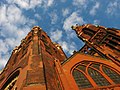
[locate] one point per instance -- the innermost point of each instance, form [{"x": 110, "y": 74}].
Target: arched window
[
  {"x": 115, "y": 77},
  {"x": 98, "y": 78},
  {"x": 99, "y": 73},
  {"x": 11, "y": 81},
  {"x": 81, "y": 80}
]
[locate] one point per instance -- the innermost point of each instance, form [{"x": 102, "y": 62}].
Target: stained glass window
[
  {"x": 96, "y": 65},
  {"x": 81, "y": 80},
  {"x": 93, "y": 69},
  {"x": 81, "y": 67},
  {"x": 98, "y": 78},
  {"x": 115, "y": 77}
]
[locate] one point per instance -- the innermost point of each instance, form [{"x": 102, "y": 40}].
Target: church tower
[{"x": 31, "y": 65}]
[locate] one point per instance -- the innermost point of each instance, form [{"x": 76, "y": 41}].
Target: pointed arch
[
  {"x": 114, "y": 76},
  {"x": 97, "y": 77},
  {"x": 81, "y": 80},
  {"x": 83, "y": 71},
  {"x": 9, "y": 84}
]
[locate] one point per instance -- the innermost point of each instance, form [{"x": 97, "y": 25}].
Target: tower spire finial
[{"x": 36, "y": 28}]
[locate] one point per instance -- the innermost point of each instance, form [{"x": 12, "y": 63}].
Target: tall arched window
[
  {"x": 81, "y": 80},
  {"x": 11, "y": 82},
  {"x": 100, "y": 76},
  {"x": 115, "y": 77}
]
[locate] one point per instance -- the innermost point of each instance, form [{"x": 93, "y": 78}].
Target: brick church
[{"x": 39, "y": 64}]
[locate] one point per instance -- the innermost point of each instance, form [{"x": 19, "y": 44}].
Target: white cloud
[
  {"x": 64, "y": 45},
  {"x": 96, "y": 22},
  {"x": 56, "y": 35},
  {"x": 11, "y": 21},
  {"x": 50, "y": 2},
  {"x": 68, "y": 47},
  {"x": 54, "y": 17},
  {"x": 65, "y": 12},
  {"x": 80, "y": 3},
  {"x": 4, "y": 51},
  {"x": 113, "y": 8},
  {"x": 20, "y": 3},
  {"x": 14, "y": 15},
  {"x": 3, "y": 48},
  {"x": 94, "y": 8},
  {"x": 37, "y": 16},
  {"x": 31, "y": 4},
  {"x": 73, "y": 19},
  {"x": 13, "y": 27},
  {"x": 2, "y": 63}
]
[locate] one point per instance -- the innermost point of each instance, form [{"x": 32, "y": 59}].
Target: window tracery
[
  {"x": 81, "y": 80},
  {"x": 115, "y": 77},
  {"x": 97, "y": 72},
  {"x": 10, "y": 83}
]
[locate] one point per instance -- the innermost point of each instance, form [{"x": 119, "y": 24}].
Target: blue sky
[{"x": 56, "y": 17}]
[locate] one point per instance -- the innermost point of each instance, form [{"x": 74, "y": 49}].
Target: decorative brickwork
[
  {"x": 24, "y": 61},
  {"x": 35, "y": 77},
  {"x": 52, "y": 80}
]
